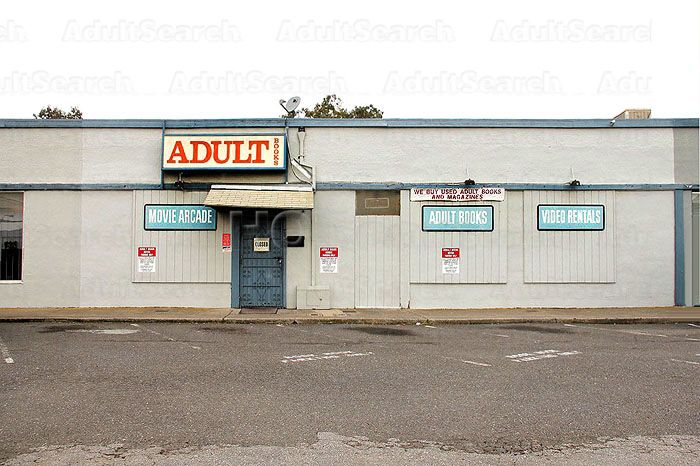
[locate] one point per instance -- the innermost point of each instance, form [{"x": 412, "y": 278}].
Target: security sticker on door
[
  {"x": 329, "y": 260},
  {"x": 147, "y": 259},
  {"x": 450, "y": 261},
  {"x": 261, "y": 244}
]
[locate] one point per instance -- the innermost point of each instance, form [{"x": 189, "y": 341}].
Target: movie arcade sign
[{"x": 458, "y": 194}]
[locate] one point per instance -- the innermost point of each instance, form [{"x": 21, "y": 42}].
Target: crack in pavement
[{"x": 331, "y": 448}]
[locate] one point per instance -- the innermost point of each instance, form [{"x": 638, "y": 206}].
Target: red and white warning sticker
[
  {"x": 146, "y": 259},
  {"x": 329, "y": 259},
  {"x": 450, "y": 261}
]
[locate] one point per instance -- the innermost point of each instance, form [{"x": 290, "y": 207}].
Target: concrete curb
[
  {"x": 353, "y": 316},
  {"x": 370, "y": 321}
]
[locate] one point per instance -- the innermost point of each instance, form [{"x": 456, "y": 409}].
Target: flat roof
[{"x": 354, "y": 123}]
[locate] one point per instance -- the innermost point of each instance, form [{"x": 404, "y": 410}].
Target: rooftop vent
[{"x": 634, "y": 114}]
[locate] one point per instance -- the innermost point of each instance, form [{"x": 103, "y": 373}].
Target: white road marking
[
  {"x": 631, "y": 332},
  {"x": 537, "y": 355},
  {"x": 569, "y": 325},
  {"x": 322, "y": 356},
  {"x": 694, "y": 325},
  {"x": 477, "y": 363},
  {"x": 687, "y": 362},
  {"x": 429, "y": 326},
  {"x": 5, "y": 351},
  {"x": 474, "y": 363},
  {"x": 692, "y": 339},
  {"x": 116, "y": 331},
  {"x": 162, "y": 336},
  {"x": 497, "y": 335},
  {"x": 153, "y": 332}
]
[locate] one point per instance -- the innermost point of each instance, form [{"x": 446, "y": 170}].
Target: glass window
[{"x": 11, "y": 236}]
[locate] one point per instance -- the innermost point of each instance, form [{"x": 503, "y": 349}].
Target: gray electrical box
[{"x": 313, "y": 297}]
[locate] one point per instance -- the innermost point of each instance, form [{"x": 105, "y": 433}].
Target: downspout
[
  {"x": 289, "y": 153},
  {"x": 162, "y": 149},
  {"x": 301, "y": 137}
]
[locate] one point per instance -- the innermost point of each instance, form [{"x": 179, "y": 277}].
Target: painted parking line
[
  {"x": 538, "y": 355},
  {"x": 114, "y": 331},
  {"x": 482, "y": 364},
  {"x": 153, "y": 332},
  {"x": 633, "y": 332},
  {"x": 320, "y": 357},
  {"x": 5, "y": 351},
  {"x": 630, "y": 332},
  {"x": 694, "y": 325},
  {"x": 467, "y": 361},
  {"x": 687, "y": 362}
]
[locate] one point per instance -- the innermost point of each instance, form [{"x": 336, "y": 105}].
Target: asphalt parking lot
[{"x": 473, "y": 389}]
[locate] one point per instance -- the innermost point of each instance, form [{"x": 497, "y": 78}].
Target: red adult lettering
[
  {"x": 237, "y": 147},
  {"x": 258, "y": 145},
  {"x": 215, "y": 150},
  {"x": 178, "y": 153},
  {"x": 195, "y": 151}
]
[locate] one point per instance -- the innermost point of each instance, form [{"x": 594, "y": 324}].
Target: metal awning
[{"x": 284, "y": 196}]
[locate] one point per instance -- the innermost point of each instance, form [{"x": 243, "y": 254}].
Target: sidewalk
[{"x": 359, "y": 316}]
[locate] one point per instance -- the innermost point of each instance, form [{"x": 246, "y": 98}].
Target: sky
[{"x": 437, "y": 59}]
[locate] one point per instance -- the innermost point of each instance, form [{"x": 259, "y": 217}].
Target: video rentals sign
[{"x": 224, "y": 152}]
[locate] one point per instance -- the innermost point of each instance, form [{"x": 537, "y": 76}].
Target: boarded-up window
[
  {"x": 568, "y": 256},
  {"x": 195, "y": 256},
  {"x": 483, "y": 255}
]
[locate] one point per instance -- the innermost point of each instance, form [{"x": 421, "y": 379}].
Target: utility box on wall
[{"x": 313, "y": 297}]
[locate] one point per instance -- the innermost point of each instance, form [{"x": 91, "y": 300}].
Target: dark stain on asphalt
[
  {"x": 391, "y": 331},
  {"x": 536, "y": 328},
  {"x": 356, "y": 343},
  {"x": 226, "y": 329},
  {"x": 63, "y": 328}
]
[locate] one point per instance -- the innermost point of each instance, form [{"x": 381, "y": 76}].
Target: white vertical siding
[
  {"x": 182, "y": 256},
  {"x": 568, "y": 256},
  {"x": 483, "y": 253},
  {"x": 377, "y": 261},
  {"x": 405, "y": 251},
  {"x": 695, "y": 248}
]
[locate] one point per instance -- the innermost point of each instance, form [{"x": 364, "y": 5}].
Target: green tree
[
  {"x": 55, "y": 113},
  {"x": 332, "y": 107}
]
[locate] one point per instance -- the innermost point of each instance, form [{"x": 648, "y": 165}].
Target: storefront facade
[{"x": 306, "y": 213}]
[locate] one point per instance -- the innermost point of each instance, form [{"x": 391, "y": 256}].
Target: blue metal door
[{"x": 262, "y": 254}]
